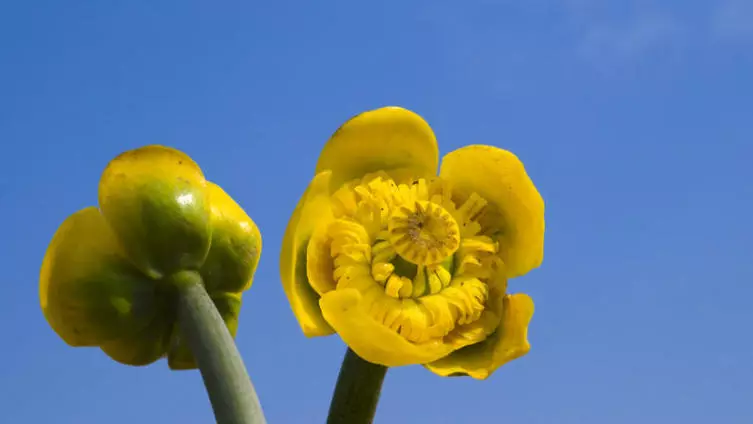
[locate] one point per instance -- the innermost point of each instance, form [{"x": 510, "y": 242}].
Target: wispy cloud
[
  {"x": 733, "y": 20},
  {"x": 615, "y": 33},
  {"x": 484, "y": 38},
  {"x": 631, "y": 39}
]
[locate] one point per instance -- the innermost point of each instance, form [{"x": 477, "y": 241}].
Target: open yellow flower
[
  {"x": 409, "y": 267},
  {"x": 106, "y": 276}
]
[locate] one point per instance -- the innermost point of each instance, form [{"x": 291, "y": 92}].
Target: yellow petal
[
  {"x": 313, "y": 210},
  {"x": 143, "y": 347},
  {"x": 509, "y": 342},
  {"x": 391, "y": 139},
  {"x": 498, "y": 176},
  {"x": 88, "y": 291},
  {"x": 179, "y": 355},
  {"x": 371, "y": 340},
  {"x": 236, "y": 246},
  {"x": 155, "y": 199}
]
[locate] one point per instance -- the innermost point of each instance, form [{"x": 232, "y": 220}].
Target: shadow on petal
[
  {"x": 89, "y": 292},
  {"x": 509, "y": 342},
  {"x": 371, "y": 340},
  {"x": 312, "y": 211}
]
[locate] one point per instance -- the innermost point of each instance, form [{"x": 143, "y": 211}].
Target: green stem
[
  {"x": 357, "y": 391},
  {"x": 231, "y": 393}
]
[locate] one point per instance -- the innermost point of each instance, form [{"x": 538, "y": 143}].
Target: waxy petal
[
  {"x": 156, "y": 201},
  {"x": 235, "y": 248},
  {"x": 371, "y": 340},
  {"x": 509, "y": 342},
  {"x": 499, "y": 177},
  {"x": 391, "y": 139},
  {"x": 88, "y": 291},
  {"x": 312, "y": 211}
]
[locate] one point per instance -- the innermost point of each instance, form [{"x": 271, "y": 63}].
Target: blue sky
[{"x": 633, "y": 119}]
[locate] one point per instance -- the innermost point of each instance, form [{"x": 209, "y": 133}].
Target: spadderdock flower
[
  {"x": 411, "y": 267},
  {"x": 108, "y": 276}
]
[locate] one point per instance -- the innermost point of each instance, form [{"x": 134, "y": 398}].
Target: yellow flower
[
  {"x": 105, "y": 276},
  {"x": 409, "y": 267}
]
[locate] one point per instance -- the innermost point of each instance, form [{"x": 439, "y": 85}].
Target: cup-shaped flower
[
  {"x": 411, "y": 267},
  {"x": 106, "y": 276}
]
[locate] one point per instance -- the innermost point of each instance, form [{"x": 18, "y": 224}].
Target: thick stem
[
  {"x": 231, "y": 393},
  {"x": 357, "y": 391}
]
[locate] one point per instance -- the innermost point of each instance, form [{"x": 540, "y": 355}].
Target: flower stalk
[
  {"x": 228, "y": 385},
  {"x": 357, "y": 391}
]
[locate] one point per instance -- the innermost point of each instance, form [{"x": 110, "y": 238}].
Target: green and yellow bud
[{"x": 105, "y": 279}]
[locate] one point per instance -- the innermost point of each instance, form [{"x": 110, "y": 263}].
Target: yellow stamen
[{"x": 416, "y": 255}]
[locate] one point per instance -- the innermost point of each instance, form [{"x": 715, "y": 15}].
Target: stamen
[
  {"x": 381, "y": 271},
  {"x": 418, "y": 258}
]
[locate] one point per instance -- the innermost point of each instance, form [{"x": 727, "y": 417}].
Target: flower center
[
  {"x": 423, "y": 232},
  {"x": 425, "y": 266}
]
